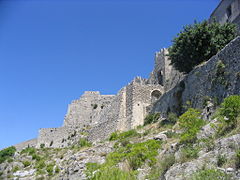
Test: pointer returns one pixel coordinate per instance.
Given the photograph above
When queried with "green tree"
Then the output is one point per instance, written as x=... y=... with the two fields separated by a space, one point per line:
x=199 y=42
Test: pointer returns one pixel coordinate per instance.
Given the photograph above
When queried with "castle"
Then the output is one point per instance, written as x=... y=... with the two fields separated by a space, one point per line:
x=95 y=116
x=99 y=115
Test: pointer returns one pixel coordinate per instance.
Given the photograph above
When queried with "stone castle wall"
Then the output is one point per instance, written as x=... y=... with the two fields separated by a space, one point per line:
x=126 y=111
x=57 y=137
x=216 y=79
x=164 y=73
x=25 y=144
x=84 y=111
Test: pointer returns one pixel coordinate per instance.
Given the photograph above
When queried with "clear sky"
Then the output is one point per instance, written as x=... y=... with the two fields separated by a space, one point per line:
x=51 y=51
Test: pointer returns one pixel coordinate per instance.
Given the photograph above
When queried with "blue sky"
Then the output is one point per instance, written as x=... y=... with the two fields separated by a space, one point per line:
x=51 y=51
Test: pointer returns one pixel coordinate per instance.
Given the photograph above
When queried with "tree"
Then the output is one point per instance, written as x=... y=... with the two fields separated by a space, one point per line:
x=199 y=42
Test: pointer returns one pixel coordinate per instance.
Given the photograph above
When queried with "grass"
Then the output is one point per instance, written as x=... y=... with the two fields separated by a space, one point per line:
x=120 y=136
x=188 y=153
x=151 y=118
x=161 y=167
x=134 y=154
x=210 y=174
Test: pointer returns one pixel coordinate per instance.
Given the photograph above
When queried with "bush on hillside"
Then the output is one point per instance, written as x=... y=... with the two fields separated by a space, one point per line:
x=191 y=123
x=7 y=153
x=230 y=108
x=199 y=42
x=151 y=118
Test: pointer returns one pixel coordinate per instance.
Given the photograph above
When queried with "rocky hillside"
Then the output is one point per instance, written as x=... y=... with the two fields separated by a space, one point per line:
x=200 y=144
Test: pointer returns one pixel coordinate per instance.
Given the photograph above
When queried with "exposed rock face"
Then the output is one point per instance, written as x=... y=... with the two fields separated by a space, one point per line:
x=225 y=147
x=216 y=79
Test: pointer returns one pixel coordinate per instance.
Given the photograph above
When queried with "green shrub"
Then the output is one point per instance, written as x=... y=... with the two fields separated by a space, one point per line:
x=191 y=123
x=7 y=153
x=36 y=157
x=111 y=173
x=161 y=168
x=199 y=42
x=49 y=169
x=84 y=143
x=29 y=151
x=26 y=163
x=208 y=144
x=40 y=165
x=230 y=108
x=94 y=106
x=151 y=118
x=209 y=174
x=221 y=160
x=15 y=169
x=123 y=135
x=172 y=118
x=57 y=170
x=237 y=159
x=113 y=136
x=42 y=146
x=136 y=154
x=188 y=153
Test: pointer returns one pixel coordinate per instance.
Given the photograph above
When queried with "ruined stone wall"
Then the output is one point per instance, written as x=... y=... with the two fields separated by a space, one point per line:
x=25 y=144
x=84 y=111
x=58 y=137
x=139 y=97
x=111 y=119
x=216 y=79
x=164 y=73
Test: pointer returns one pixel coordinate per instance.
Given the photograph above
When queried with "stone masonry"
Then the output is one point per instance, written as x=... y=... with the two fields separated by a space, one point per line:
x=99 y=115
x=213 y=80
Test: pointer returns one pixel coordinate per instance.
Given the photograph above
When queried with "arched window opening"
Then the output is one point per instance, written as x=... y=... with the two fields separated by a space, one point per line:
x=155 y=95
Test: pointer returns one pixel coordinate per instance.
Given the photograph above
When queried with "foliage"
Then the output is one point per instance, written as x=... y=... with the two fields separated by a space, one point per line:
x=84 y=143
x=198 y=42
x=57 y=169
x=16 y=168
x=221 y=160
x=189 y=152
x=36 y=157
x=228 y=115
x=94 y=106
x=237 y=159
x=208 y=144
x=42 y=146
x=7 y=153
x=40 y=165
x=49 y=169
x=123 y=135
x=151 y=118
x=212 y=174
x=191 y=123
x=107 y=172
x=172 y=118
x=162 y=167
x=113 y=136
x=134 y=154
x=29 y=151
x=230 y=108
x=26 y=163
